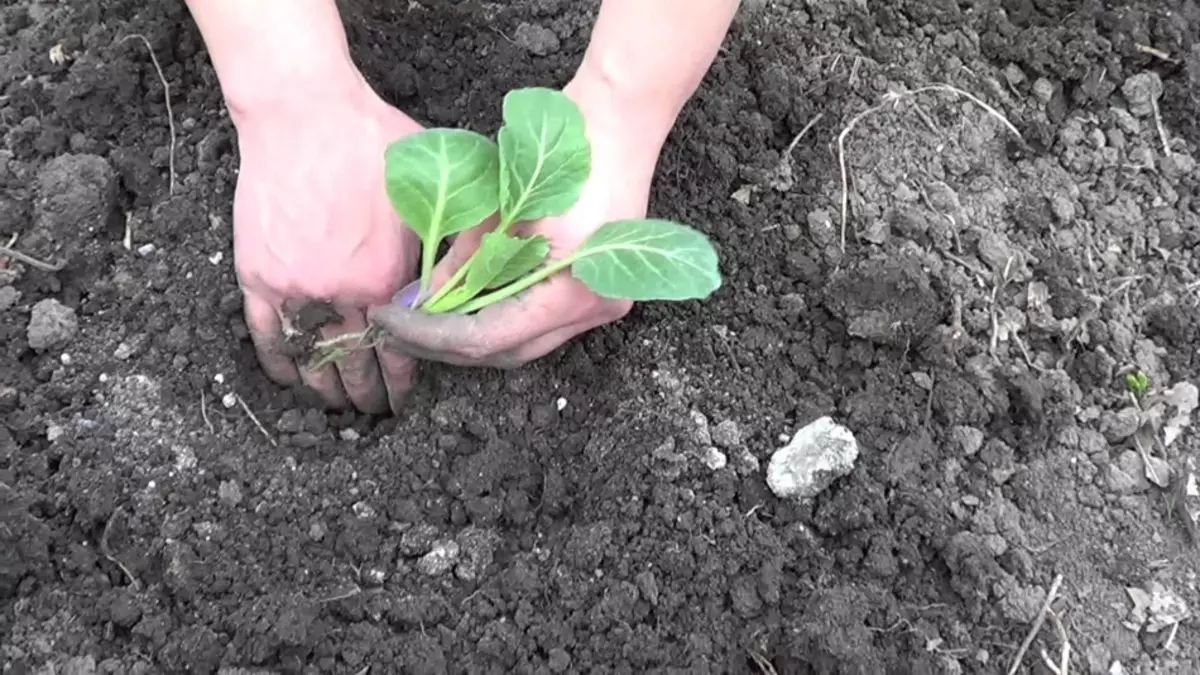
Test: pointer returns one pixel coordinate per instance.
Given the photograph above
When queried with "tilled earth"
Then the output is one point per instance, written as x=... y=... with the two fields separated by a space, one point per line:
x=606 y=510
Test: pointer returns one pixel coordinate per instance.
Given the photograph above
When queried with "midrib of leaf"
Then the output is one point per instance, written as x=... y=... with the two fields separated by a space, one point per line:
x=435 y=226
x=528 y=187
x=638 y=246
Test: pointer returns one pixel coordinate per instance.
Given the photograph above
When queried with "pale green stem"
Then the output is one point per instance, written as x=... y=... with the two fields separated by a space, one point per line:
x=458 y=275
x=516 y=286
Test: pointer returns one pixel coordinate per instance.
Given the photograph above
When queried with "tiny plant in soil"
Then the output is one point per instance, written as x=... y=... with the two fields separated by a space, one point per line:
x=1138 y=383
x=445 y=181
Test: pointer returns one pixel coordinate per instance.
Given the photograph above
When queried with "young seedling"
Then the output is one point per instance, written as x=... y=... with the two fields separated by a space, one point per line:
x=543 y=160
x=444 y=181
x=1138 y=383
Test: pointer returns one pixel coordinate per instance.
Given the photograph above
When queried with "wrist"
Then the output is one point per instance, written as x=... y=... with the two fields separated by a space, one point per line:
x=269 y=52
x=631 y=123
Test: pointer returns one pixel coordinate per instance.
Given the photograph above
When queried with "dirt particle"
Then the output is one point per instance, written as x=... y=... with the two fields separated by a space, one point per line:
x=744 y=597
x=418 y=540
x=537 y=40
x=1142 y=92
x=587 y=545
x=967 y=439
x=727 y=434
x=440 y=559
x=230 y=493
x=647 y=584
x=290 y=422
x=477 y=549
x=1117 y=426
x=78 y=199
x=558 y=660
x=51 y=325
x=9 y=297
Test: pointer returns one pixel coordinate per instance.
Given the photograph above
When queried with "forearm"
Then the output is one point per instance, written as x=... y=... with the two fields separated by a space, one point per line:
x=650 y=55
x=264 y=50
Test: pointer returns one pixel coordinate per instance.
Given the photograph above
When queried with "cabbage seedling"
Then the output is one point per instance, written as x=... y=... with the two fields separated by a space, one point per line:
x=444 y=181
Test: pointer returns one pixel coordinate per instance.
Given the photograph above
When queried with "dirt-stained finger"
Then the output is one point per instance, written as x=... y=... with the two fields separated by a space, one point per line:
x=487 y=337
x=266 y=332
x=358 y=368
x=399 y=371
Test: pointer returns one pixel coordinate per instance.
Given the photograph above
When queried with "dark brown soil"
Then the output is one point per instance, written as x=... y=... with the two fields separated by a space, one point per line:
x=973 y=335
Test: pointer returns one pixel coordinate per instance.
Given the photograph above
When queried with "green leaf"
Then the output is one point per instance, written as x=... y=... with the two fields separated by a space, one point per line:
x=442 y=181
x=501 y=259
x=545 y=157
x=521 y=256
x=647 y=260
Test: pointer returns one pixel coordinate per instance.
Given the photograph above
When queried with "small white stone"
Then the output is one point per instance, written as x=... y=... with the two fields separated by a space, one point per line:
x=817 y=455
x=229 y=400
x=714 y=459
x=145 y=249
x=65 y=358
x=560 y=404
x=349 y=434
x=219 y=378
x=216 y=258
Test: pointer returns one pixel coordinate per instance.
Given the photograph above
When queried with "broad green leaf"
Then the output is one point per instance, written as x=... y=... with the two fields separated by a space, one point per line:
x=521 y=256
x=501 y=259
x=442 y=181
x=545 y=157
x=647 y=260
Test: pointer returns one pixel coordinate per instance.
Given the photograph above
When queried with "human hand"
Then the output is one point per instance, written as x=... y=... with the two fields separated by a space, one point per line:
x=534 y=323
x=313 y=224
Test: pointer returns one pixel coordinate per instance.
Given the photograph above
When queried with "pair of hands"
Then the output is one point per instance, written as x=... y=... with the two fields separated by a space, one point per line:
x=312 y=222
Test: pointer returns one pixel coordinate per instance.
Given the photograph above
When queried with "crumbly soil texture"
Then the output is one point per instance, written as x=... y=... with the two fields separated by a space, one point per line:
x=166 y=509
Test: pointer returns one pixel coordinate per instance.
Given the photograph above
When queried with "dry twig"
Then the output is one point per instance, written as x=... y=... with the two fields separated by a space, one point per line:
x=106 y=551
x=6 y=252
x=166 y=97
x=1037 y=625
x=254 y=418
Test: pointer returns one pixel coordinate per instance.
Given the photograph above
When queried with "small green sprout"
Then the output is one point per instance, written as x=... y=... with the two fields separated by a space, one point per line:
x=444 y=181
x=1138 y=384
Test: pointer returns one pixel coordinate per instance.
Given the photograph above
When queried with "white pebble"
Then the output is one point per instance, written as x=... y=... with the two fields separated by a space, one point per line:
x=560 y=404
x=229 y=400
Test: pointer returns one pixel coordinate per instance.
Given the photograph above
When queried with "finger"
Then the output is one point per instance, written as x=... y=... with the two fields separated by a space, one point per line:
x=266 y=332
x=472 y=340
x=358 y=369
x=398 y=370
x=536 y=349
x=325 y=381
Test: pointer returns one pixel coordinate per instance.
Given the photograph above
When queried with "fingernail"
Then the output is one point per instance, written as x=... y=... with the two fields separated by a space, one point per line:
x=408 y=295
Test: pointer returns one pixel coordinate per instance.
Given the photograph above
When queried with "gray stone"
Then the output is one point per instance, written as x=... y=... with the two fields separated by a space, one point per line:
x=440 y=559
x=727 y=435
x=538 y=40
x=1118 y=426
x=968 y=440
x=817 y=455
x=230 y=492
x=51 y=324
x=1142 y=91
x=9 y=297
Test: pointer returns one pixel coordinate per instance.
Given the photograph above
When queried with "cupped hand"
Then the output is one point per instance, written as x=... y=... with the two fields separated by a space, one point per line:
x=312 y=222
x=537 y=321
